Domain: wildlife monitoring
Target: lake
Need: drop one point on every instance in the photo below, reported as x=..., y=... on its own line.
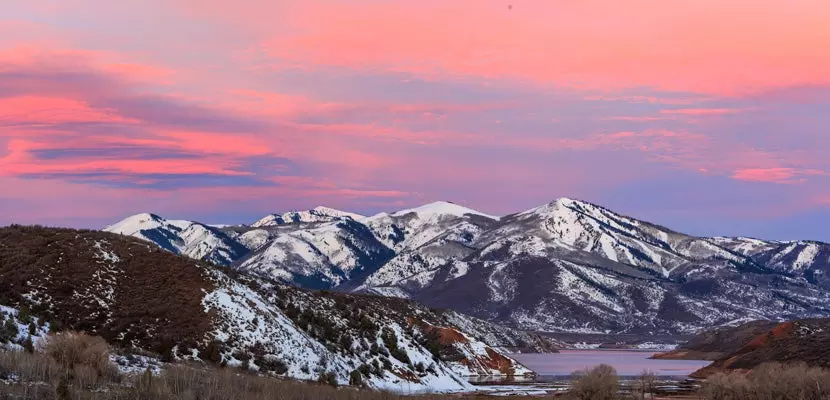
x=626, y=362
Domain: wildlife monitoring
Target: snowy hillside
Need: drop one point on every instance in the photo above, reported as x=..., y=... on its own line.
x=132, y=294
x=187, y=238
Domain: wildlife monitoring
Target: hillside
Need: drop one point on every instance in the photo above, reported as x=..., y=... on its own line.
x=716, y=343
x=136, y=295
x=565, y=266
x=806, y=341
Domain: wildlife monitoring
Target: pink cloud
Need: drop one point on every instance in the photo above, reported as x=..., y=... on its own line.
x=46, y=110
x=776, y=175
x=702, y=111
x=707, y=46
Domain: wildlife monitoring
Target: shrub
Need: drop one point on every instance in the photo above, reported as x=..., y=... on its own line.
x=356, y=378
x=28, y=345
x=327, y=378
x=72, y=349
x=726, y=387
x=598, y=383
x=213, y=352
x=9, y=330
x=271, y=364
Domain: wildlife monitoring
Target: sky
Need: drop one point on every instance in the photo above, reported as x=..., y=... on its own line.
x=709, y=117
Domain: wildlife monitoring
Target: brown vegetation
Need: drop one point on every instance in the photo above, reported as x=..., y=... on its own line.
x=75, y=366
x=771, y=381
x=147, y=297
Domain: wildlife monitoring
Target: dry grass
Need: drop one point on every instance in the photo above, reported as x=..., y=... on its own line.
x=30, y=367
x=771, y=381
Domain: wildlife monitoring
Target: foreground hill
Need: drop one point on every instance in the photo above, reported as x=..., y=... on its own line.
x=806, y=341
x=136, y=295
x=566, y=266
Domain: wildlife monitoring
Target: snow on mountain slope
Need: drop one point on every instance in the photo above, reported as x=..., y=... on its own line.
x=171, y=305
x=254, y=239
x=324, y=256
x=187, y=238
x=803, y=259
x=317, y=214
x=573, y=224
x=415, y=227
x=428, y=240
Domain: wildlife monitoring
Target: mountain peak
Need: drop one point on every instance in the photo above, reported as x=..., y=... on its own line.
x=316, y=214
x=439, y=208
x=135, y=223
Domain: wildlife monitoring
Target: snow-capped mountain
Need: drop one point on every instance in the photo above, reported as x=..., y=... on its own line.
x=414, y=227
x=133, y=295
x=320, y=257
x=317, y=214
x=425, y=239
x=574, y=266
x=564, y=266
x=188, y=238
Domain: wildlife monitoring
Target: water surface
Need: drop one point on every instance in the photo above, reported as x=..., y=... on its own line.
x=626, y=362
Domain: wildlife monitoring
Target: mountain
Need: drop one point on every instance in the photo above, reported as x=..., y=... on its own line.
x=424, y=239
x=187, y=238
x=319, y=257
x=566, y=266
x=138, y=296
x=577, y=267
x=806, y=341
x=317, y=214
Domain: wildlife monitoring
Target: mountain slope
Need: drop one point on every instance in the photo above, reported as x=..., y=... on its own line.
x=802, y=259
x=573, y=266
x=719, y=342
x=134, y=294
x=187, y=238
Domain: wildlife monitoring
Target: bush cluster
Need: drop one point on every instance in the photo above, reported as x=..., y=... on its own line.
x=770, y=381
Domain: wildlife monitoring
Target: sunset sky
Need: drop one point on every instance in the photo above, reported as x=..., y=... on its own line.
x=709, y=117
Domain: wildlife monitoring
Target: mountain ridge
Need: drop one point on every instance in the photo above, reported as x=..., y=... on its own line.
x=567, y=265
